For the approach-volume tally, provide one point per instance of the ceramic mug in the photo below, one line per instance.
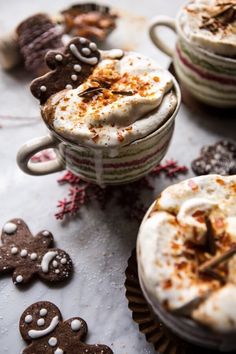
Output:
(184, 327)
(101, 166)
(209, 77)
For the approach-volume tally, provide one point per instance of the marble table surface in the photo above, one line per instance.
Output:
(99, 241)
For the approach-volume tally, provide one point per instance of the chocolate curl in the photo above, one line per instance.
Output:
(9, 51)
(217, 260)
(36, 36)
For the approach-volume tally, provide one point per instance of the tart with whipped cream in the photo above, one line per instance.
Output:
(186, 253)
(211, 24)
(127, 97)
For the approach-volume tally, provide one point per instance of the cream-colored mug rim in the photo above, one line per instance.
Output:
(200, 49)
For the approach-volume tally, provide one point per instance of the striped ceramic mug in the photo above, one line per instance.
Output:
(101, 166)
(209, 77)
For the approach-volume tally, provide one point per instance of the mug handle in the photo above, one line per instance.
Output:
(29, 149)
(159, 43)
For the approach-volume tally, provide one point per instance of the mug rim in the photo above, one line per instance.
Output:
(177, 90)
(204, 51)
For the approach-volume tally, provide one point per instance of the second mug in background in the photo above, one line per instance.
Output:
(204, 56)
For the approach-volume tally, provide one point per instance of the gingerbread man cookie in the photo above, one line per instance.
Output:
(26, 256)
(42, 327)
(69, 68)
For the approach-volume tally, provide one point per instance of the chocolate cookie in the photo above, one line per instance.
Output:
(42, 327)
(219, 158)
(89, 20)
(27, 256)
(69, 68)
(36, 36)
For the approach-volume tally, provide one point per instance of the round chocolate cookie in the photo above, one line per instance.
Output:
(219, 158)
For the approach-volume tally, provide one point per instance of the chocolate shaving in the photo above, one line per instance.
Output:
(210, 237)
(217, 260)
(123, 93)
(103, 84)
(90, 92)
(215, 275)
(220, 18)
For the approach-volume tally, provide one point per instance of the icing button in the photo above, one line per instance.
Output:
(93, 46)
(82, 40)
(41, 322)
(58, 57)
(23, 253)
(43, 88)
(33, 256)
(77, 68)
(19, 278)
(55, 264)
(52, 341)
(69, 87)
(45, 233)
(28, 319)
(14, 250)
(43, 312)
(75, 325)
(86, 51)
(58, 351)
(74, 77)
(9, 228)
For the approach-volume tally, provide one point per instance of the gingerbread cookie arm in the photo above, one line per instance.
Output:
(15, 229)
(77, 327)
(44, 239)
(5, 264)
(22, 275)
(95, 349)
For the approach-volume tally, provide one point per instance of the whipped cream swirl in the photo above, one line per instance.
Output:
(211, 24)
(123, 100)
(187, 254)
